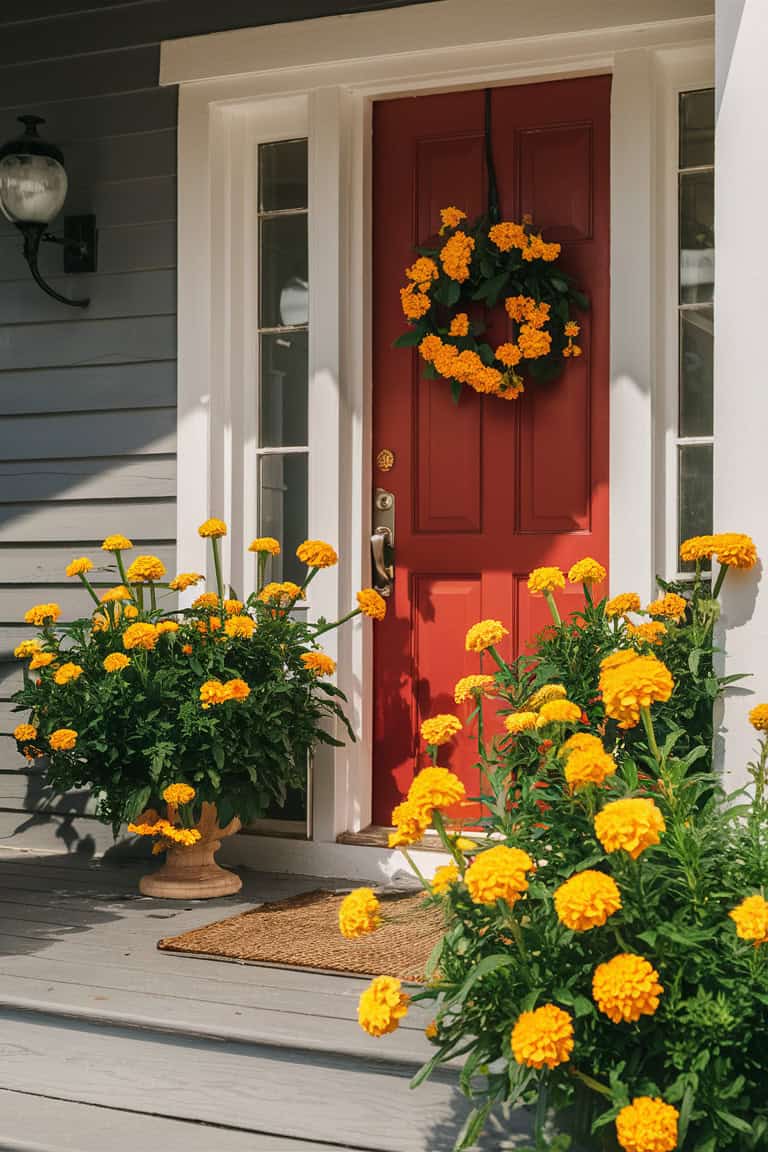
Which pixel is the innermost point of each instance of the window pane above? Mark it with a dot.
(283, 175)
(283, 295)
(696, 372)
(695, 489)
(697, 241)
(283, 385)
(697, 128)
(283, 510)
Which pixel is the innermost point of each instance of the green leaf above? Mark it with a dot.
(733, 1121)
(219, 756)
(409, 339)
(456, 388)
(490, 290)
(486, 965)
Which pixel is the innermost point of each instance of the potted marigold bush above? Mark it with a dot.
(184, 724)
(605, 959)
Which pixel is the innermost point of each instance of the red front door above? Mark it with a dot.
(486, 489)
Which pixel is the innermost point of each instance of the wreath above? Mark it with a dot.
(476, 265)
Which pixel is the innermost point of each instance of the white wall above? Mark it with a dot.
(741, 387)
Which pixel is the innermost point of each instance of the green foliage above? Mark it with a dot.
(705, 1050)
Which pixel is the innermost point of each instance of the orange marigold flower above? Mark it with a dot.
(455, 256)
(670, 605)
(233, 607)
(697, 548)
(177, 794)
(509, 355)
(631, 685)
(544, 694)
(533, 343)
(546, 579)
(185, 580)
(588, 766)
(507, 235)
(236, 689)
(371, 604)
(651, 632)
(317, 554)
(498, 874)
(25, 732)
(626, 988)
(485, 634)
(115, 662)
(571, 328)
(265, 544)
(543, 1038)
(116, 543)
(430, 347)
(648, 1124)
(622, 604)
(79, 567)
(735, 549)
(63, 739)
(382, 1006)
(145, 569)
(140, 635)
(630, 825)
(67, 672)
(319, 663)
(758, 717)
(165, 626)
(206, 600)
(440, 729)
(359, 914)
(751, 919)
(239, 627)
(451, 217)
(41, 660)
(434, 787)
(212, 692)
(284, 594)
(586, 900)
(26, 648)
(587, 571)
(410, 824)
(212, 528)
(115, 595)
(459, 324)
(422, 270)
(580, 742)
(186, 649)
(414, 303)
(444, 877)
(518, 722)
(41, 614)
(472, 687)
(558, 712)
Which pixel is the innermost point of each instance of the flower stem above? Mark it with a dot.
(719, 582)
(89, 589)
(553, 608)
(338, 623)
(417, 871)
(152, 597)
(217, 567)
(648, 725)
(121, 568)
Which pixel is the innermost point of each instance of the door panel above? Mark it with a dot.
(485, 489)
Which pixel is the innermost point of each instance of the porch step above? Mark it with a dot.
(276, 1094)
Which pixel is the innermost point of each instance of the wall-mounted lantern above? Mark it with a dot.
(33, 188)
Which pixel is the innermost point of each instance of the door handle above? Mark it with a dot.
(383, 541)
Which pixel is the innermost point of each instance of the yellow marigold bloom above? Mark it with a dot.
(466, 844)
(587, 571)
(543, 1038)
(533, 343)
(672, 606)
(145, 569)
(414, 303)
(571, 328)
(626, 988)
(317, 554)
(544, 694)
(538, 250)
(185, 580)
(558, 712)
(648, 1124)
(507, 235)
(435, 788)
(115, 662)
(206, 600)
(543, 580)
(140, 635)
(444, 876)
(758, 717)
(359, 914)
(410, 824)
(697, 548)
(630, 685)
(116, 544)
(622, 604)
(265, 544)
(580, 742)
(735, 549)
(431, 1030)
(518, 722)
(382, 1006)
(63, 739)
(236, 689)
(186, 837)
(451, 217)
(586, 900)
(284, 593)
(455, 256)
(751, 919)
(318, 663)
(509, 354)
(165, 626)
(41, 614)
(25, 732)
(498, 874)
(629, 825)
(239, 627)
(233, 607)
(147, 828)
(79, 567)
(422, 270)
(652, 632)
(115, 595)
(617, 659)
(440, 729)
(371, 604)
(26, 648)
(212, 692)
(41, 660)
(472, 687)
(588, 766)
(430, 347)
(459, 324)
(67, 672)
(537, 315)
(485, 634)
(177, 794)
(212, 528)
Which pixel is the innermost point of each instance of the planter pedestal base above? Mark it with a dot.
(192, 873)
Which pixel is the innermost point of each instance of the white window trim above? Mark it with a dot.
(677, 72)
(332, 97)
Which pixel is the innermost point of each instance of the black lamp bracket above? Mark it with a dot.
(79, 251)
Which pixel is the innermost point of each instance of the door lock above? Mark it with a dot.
(383, 541)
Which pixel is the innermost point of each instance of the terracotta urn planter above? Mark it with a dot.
(192, 873)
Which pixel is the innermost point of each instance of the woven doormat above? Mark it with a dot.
(303, 932)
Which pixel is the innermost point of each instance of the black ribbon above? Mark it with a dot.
(494, 212)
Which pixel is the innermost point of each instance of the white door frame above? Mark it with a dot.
(320, 78)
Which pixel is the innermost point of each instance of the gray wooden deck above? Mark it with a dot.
(99, 1032)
